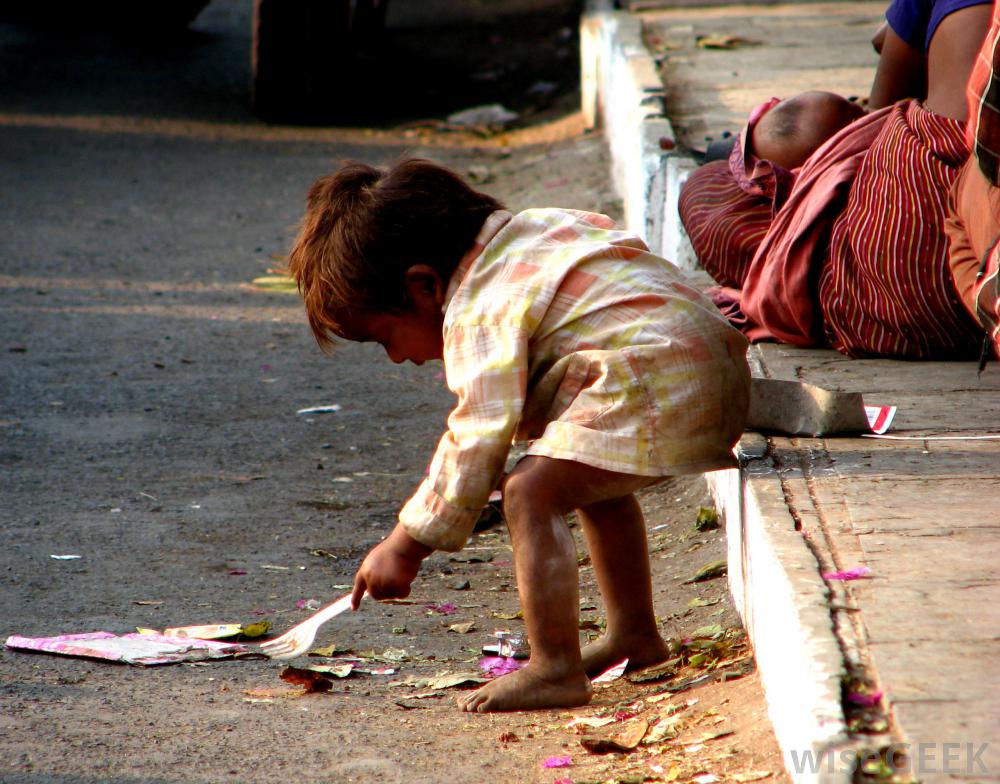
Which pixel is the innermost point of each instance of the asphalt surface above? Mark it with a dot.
(148, 425)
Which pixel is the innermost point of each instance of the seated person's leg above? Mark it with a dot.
(725, 224)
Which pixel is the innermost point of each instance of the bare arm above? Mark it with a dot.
(952, 54)
(901, 73)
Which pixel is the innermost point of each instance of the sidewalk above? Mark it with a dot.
(922, 514)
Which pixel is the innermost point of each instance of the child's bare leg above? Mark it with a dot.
(537, 495)
(548, 584)
(616, 538)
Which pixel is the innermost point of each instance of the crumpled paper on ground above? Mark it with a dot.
(133, 648)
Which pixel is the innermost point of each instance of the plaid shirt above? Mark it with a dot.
(983, 128)
(565, 332)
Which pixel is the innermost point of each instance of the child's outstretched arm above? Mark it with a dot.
(390, 567)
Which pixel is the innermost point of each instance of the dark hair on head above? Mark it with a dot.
(364, 227)
(786, 117)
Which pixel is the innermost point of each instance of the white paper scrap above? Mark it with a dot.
(330, 409)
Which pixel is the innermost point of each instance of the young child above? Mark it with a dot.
(787, 132)
(556, 329)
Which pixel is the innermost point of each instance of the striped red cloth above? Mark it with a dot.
(886, 289)
(725, 223)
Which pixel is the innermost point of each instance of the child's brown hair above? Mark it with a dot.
(364, 227)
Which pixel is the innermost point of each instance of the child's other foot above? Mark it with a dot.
(524, 690)
(607, 652)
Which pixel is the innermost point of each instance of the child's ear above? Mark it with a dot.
(424, 286)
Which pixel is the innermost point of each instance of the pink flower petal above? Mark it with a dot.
(867, 700)
(442, 609)
(557, 762)
(848, 574)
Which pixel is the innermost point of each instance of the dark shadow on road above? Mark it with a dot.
(423, 68)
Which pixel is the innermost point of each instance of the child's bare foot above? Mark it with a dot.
(606, 652)
(524, 690)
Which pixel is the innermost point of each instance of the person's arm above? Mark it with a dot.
(390, 567)
(901, 72)
(950, 58)
(487, 370)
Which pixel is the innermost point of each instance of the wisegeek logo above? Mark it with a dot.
(918, 759)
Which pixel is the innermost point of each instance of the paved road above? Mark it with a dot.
(147, 418)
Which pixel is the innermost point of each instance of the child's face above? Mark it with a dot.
(412, 335)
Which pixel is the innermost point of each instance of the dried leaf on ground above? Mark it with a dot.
(312, 682)
(330, 651)
(505, 616)
(447, 681)
(707, 519)
(722, 41)
(709, 571)
(622, 743)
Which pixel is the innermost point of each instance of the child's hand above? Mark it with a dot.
(390, 568)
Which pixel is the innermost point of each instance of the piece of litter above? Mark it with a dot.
(132, 648)
(330, 409)
(612, 673)
(495, 666)
(848, 574)
(557, 762)
(880, 418)
(706, 778)
(489, 116)
(213, 631)
(66, 557)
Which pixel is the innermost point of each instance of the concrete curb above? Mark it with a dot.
(622, 91)
(774, 577)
